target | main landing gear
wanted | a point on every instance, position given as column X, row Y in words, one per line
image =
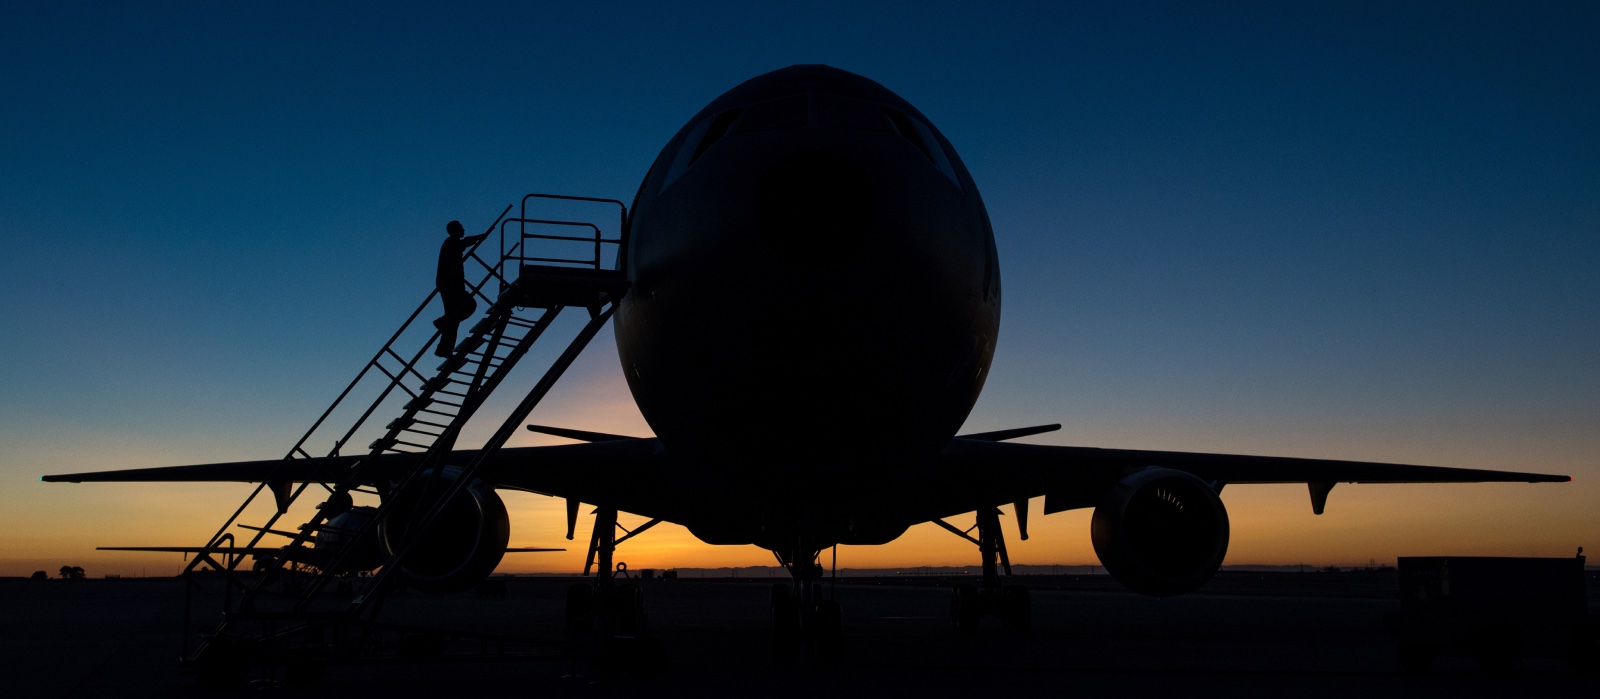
column 611, row 610
column 803, row 623
column 1011, row 603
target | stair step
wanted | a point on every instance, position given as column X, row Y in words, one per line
column 436, row 383
column 436, row 406
column 462, row 368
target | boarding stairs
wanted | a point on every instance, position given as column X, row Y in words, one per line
column 544, row 265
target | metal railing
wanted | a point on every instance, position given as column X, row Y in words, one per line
column 516, row 246
column 298, row 452
column 288, row 482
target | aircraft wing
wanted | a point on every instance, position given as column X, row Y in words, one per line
column 1074, row 477
column 622, row 473
column 225, row 550
column 258, row 550
column 632, row 475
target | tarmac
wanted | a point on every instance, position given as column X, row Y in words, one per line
column 1244, row 634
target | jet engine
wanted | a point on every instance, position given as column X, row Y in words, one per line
column 466, row 541
column 1160, row 532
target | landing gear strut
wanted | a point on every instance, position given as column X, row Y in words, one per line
column 1011, row 603
column 616, row 606
column 801, row 619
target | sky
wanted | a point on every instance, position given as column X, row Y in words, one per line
column 1339, row 230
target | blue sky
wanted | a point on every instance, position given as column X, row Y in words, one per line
column 1344, row 230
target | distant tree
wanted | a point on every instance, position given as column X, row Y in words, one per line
column 40, row 575
column 71, row 573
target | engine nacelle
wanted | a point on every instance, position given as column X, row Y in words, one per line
column 465, row 543
column 1160, row 532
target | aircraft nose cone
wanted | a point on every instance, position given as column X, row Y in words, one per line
column 812, row 206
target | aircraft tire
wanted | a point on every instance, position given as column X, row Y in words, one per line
column 966, row 608
column 827, row 632
column 1016, row 610
column 580, row 609
column 627, row 610
column 785, row 627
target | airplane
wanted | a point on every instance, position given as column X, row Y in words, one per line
column 814, row 305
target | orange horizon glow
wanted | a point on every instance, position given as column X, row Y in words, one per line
column 60, row 524
column 1271, row 527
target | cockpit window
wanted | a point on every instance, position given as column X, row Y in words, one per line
column 783, row 113
column 921, row 136
column 707, row 132
column 902, row 124
column 845, row 113
column 799, row 112
column 718, row 129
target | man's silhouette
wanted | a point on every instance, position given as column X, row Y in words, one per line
column 452, row 285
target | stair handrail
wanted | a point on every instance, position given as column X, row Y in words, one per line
column 298, row 451
column 284, row 474
column 508, row 427
column 599, row 240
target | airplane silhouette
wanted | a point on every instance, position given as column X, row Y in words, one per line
column 814, row 305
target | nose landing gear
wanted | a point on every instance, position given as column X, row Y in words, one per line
column 803, row 623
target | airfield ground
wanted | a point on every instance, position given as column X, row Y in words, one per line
column 1245, row 634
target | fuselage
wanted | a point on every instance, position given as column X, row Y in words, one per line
column 815, row 298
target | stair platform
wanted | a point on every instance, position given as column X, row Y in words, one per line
column 546, row 286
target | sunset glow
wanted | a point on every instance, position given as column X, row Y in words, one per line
column 1325, row 232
